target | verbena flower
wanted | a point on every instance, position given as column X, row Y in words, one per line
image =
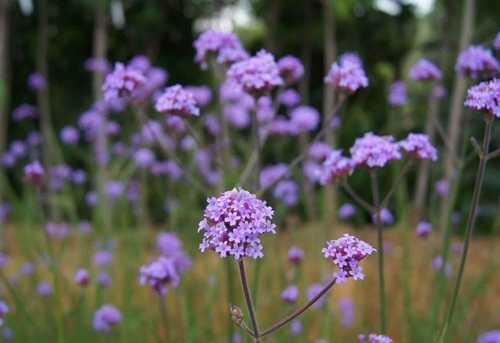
column 335, row 167
column 57, row 230
column 44, row 289
column 160, row 275
column 296, row 327
column 104, row 279
column 33, row 173
column 144, row 158
column 69, row 135
column 171, row 246
column 202, row 94
column 232, row 224
column 397, row 94
column 290, row 294
column 122, row 82
column 4, row 309
column 319, row 151
column 418, row 146
column 423, row 229
column 476, row 61
column 295, row 255
column 438, row 265
column 23, row 112
column 37, row 82
column 8, row 334
column 496, row 42
column 103, row 258
column 256, row 75
column 347, row 75
column 374, row 338
column 490, row 336
column 269, row 175
column 425, row 70
column 224, row 47
column 385, row 217
column 291, row 69
column 375, row 151
column 346, row 253
column 485, row 97
column 82, row 278
column 304, row 118
column 106, row 317
column 177, row 101
column 347, row 311
column 443, row 188
column 290, row 98
column 347, row 211
column 313, row 291
column 287, row 191
column 99, row 65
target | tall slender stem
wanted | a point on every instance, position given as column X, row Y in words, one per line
column 248, row 299
column 380, row 242
column 471, row 221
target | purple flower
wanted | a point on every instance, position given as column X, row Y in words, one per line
column 281, row 126
column 385, row 216
column 256, row 75
column 319, row 151
column 57, row 231
column 4, row 309
column 8, row 160
column 397, row 94
column 374, row 338
column 336, row 167
column 144, row 158
column 23, row 112
column 443, row 188
column 290, row 98
column 312, row 292
column 104, row 279
column 44, row 289
column 438, row 92
column 122, row 82
column 37, row 82
column 18, row 149
column 287, row 191
column 140, row 62
column 375, row 151
column 232, row 224
column 347, row 211
column 84, row 227
column 312, row 171
column 476, row 61
column 177, row 101
column 91, row 198
column 4, row 213
column 347, row 75
column 171, row 246
column 78, row 177
column 296, row 327
column 271, row 174
column 237, row 116
column 106, row 318
column 305, row 118
column 202, row 94
column 346, row 253
column 494, row 335
column 295, row 255
column 70, row 135
column 438, row 265
column 27, row 269
column 4, row 259
column 34, row 139
column 418, row 146
column 103, row 258
column 423, row 229
column 33, row 173
column 347, row 311
column 290, row 294
column 212, row 124
column 425, row 70
column 226, row 48
column 82, row 278
column 114, row 189
column 160, row 275
column 99, row 65
column 265, row 109
column 291, row 69
column 485, row 97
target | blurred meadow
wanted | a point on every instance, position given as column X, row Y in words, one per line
column 131, row 131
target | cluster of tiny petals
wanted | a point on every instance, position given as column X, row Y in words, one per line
column 477, row 61
column 106, row 317
column 233, row 222
column 375, row 151
column 374, row 338
column 347, row 75
column 419, row 146
column 178, row 102
column 160, row 275
column 122, row 82
column 225, row 46
column 256, row 75
column 346, row 253
column 485, row 97
column 291, row 69
column 425, row 70
column 335, row 167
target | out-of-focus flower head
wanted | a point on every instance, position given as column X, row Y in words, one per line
column 319, row 151
column 122, row 82
column 494, row 335
column 177, row 101
column 425, row 70
column 37, row 82
column 103, row 258
column 57, row 231
column 33, row 173
column 224, row 47
column 347, row 312
column 438, row 265
column 271, row 174
column 105, row 318
column 287, row 191
column 312, row 292
column 281, row 126
column 305, row 118
column 335, row 167
column 44, row 289
column 202, row 94
column 144, row 158
column 423, row 229
column 291, row 69
column 97, row 65
column 264, row 109
column 114, row 189
column 69, row 135
column 347, row 211
column 347, row 74
column 385, row 217
column 104, row 279
column 443, row 188
column 82, row 277
column 296, row 327
column 295, row 255
column 374, row 338
column 485, row 97
column 24, row 111
column 418, row 146
column 476, row 62
column 290, row 294
column 4, row 309
column 290, row 98
column 171, row 246
column 375, row 151
column 397, row 94
column 160, row 275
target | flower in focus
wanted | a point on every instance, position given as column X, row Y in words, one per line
column 335, row 167
column 347, row 75
column 397, row 94
column 304, row 118
column 423, row 229
column 106, row 317
column 232, row 224
column 122, row 82
column 287, row 191
column 477, row 61
column 419, row 146
column 485, row 97
column 346, row 253
column 374, row 338
column 290, row 294
column 256, row 75
column 375, row 151
column 171, row 246
column 295, row 255
column 347, row 211
column 177, row 101
column 225, row 47
column 82, row 278
column 425, row 70
column 291, row 69
column 33, row 173
column 160, row 275
column 490, row 336
column 312, row 292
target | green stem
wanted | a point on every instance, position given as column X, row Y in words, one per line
column 248, row 300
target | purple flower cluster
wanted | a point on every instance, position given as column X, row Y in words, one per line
column 106, row 317
column 226, row 48
column 347, row 211
column 347, row 74
column 271, row 174
column 291, row 69
column 290, row 98
column 232, row 224
column 347, row 311
column 37, row 82
column 82, row 278
column 313, row 291
column 160, row 275
column 490, row 336
column 397, row 94
column 418, row 146
column 44, row 289
column 120, row 84
column 178, row 102
column 374, row 338
column 287, row 191
column 485, row 97
column 256, row 75
column 423, row 229
column 4, row 309
column 295, row 255
column 304, row 119
column 23, row 112
column 375, row 151
column 202, row 94
column 290, row 294
column 33, row 173
column 477, row 61
column 346, row 253
column 170, row 246
column 335, row 167
column 70, row 135
column 425, row 70
column 57, row 230
column 385, row 216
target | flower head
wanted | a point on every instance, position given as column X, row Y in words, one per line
column 347, row 211
column 397, row 94
column 57, row 230
column 122, row 82
column 4, row 309
column 423, row 229
column 225, row 47
column 287, row 191
column 347, row 75
column 232, row 224
column 346, row 253
column 256, row 75
column 418, row 146
column 160, row 275
column 295, row 255
column 104, row 279
column 477, row 61
column 69, row 135
column 385, row 217
column 291, row 69
column 44, row 289
column 375, row 151
column 290, row 98
column 494, row 335
column 485, row 97
column 33, row 173
column 171, row 246
column 178, row 102
column 271, row 174
column 103, row 258
column 106, row 318
column 347, row 311
column 37, row 82
column 82, row 278
column 374, row 338
column 425, row 70
column 202, row 94
column 336, row 166
column 312, row 292
column 290, row 294
column 305, row 118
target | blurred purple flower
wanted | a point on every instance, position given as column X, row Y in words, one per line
column 226, row 48
column 202, row 94
column 296, row 327
column 319, row 151
column 305, row 118
column 437, row 265
column 425, row 70
column 443, row 188
column 34, row 173
column 290, row 294
column 287, row 191
column 177, row 101
column 160, row 275
column 37, row 82
column 103, row 258
column 375, row 151
column 115, row 189
column 105, row 318
column 104, row 279
column 423, row 229
column 477, row 61
column 335, row 167
column 347, row 211
column 98, row 65
column 397, row 94
column 418, row 146
column 82, row 278
column 57, row 231
column 70, row 135
column 144, row 158
column 312, row 292
column 347, row 311
column 291, row 69
column 121, row 83
column 44, row 289
column 386, row 217
column 489, row 336
column 270, row 174
column 290, row 98
column 374, row 338
column 295, row 255
column 23, row 112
